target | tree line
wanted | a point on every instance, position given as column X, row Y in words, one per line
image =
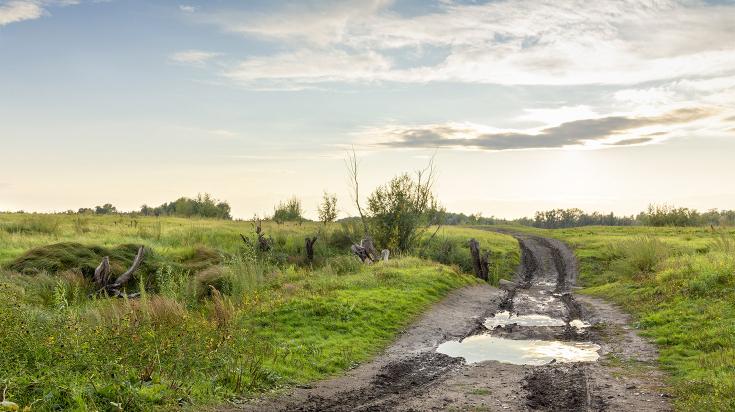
column 654, row 215
column 203, row 205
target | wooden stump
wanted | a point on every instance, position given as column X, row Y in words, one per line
column 310, row 248
column 479, row 260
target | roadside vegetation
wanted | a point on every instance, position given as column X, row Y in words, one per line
column 680, row 285
column 217, row 318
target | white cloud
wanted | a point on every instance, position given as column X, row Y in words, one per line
column 506, row 42
column 187, row 8
column 193, row 57
column 16, row 11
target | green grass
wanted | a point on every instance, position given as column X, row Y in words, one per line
column 271, row 320
column 680, row 285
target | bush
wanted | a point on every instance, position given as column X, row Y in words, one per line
column 401, row 210
column 290, row 211
column 639, row 257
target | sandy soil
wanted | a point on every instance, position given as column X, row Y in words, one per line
column 411, row 376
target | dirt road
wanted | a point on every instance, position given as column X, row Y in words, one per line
column 412, row 376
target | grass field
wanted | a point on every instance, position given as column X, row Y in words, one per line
column 680, row 285
column 272, row 320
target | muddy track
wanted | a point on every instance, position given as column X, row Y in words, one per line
column 411, row 376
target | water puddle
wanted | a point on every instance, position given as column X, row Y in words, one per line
column 480, row 348
column 507, row 318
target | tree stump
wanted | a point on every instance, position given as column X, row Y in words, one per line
column 479, row 260
column 365, row 250
column 310, row 248
column 103, row 276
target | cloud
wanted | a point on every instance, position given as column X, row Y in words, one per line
column 505, row 42
column 187, row 8
column 193, row 57
column 593, row 133
column 16, row 11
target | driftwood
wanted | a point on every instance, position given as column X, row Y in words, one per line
column 103, row 276
column 310, row 248
column 365, row 250
column 479, row 260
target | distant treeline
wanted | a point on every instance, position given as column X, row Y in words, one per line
column 561, row 218
column 204, row 205
column 654, row 215
column 473, row 219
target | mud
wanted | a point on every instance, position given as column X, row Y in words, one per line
column 411, row 376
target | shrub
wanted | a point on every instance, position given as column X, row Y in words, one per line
column 401, row 210
column 215, row 276
column 639, row 257
column 290, row 211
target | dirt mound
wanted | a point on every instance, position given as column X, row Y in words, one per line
column 60, row 257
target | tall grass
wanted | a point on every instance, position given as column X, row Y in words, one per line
column 682, row 290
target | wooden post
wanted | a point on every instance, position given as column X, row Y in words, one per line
column 479, row 261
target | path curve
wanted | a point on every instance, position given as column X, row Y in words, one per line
column 411, row 376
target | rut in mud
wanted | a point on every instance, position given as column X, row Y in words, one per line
column 412, row 376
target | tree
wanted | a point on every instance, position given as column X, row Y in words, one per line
column 400, row 211
column 328, row 208
column 351, row 163
column 105, row 209
column 204, row 205
column 290, row 211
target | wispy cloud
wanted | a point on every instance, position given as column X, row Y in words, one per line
column 507, row 42
column 187, row 8
column 193, row 57
column 589, row 133
column 16, row 11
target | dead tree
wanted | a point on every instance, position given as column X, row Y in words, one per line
column 103, row 276
column 365, row 250
column 479, row 260
column 264, row 244
column 310, row 248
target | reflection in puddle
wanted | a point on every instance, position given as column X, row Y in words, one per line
column 580, row 325
column 480, row 348
column 507, row 318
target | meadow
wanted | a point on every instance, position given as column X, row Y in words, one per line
column 679, row 283
column 217, row 319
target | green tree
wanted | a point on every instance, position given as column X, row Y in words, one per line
column 328, row 208
column 289, row 211
column 400, row 211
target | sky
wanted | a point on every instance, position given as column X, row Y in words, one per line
column 525, row 105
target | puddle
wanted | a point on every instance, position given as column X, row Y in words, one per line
column 507, row 318
column 480, row 348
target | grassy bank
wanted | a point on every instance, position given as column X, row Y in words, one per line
column 680, row 285
column 271, row 320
